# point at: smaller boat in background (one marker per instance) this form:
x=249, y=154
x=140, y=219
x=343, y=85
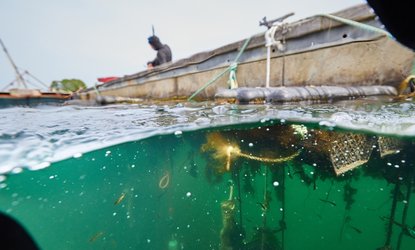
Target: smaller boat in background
x=17, y=92
x=31, y=97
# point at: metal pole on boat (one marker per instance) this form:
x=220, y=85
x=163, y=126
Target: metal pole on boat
x=19, y=77
x=36, y=79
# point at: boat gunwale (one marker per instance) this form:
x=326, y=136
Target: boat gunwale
x=8, y=95
x=126, y=83
x=297, y=29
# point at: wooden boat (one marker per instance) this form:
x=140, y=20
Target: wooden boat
x=24, y=96
x=31, y=97
x=346, y=54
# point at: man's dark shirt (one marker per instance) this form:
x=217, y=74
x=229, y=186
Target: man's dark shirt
x=163, y=53
x=163, y=56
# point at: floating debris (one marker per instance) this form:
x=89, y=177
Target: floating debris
x=263, y=206
x=329, y=202
x=356, y=229
x=96, y=236
x=165, y=180
x=120, y=199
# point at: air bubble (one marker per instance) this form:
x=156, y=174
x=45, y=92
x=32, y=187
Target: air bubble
x=77, y=155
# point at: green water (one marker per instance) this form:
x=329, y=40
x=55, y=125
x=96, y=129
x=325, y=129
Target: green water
x=117, y=198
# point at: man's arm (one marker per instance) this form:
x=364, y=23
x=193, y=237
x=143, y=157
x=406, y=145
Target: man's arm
x=163, y=56
x=155, y=62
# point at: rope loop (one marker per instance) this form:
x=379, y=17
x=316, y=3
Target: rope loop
x=233, y=83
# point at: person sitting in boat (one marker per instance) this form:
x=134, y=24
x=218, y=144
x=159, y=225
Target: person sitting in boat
x=163, y=52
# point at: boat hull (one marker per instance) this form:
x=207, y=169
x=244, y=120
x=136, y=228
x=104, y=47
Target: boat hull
x=318, y=52
x=7, y=99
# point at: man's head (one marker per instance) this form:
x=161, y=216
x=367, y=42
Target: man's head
x=155, y=43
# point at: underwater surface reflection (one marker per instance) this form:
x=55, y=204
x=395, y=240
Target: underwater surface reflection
x=35, y=137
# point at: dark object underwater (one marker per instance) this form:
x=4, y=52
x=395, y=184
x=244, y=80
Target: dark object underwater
x=13, y=236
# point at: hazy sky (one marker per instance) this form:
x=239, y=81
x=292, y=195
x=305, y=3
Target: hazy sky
x=87, y=39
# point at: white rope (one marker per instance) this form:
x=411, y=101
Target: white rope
x=269, y=42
